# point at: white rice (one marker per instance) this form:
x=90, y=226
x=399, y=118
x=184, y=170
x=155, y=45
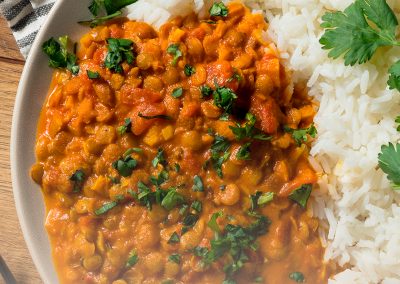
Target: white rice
x=355, y=201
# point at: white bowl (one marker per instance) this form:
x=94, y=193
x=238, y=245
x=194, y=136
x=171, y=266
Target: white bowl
x=32, y=91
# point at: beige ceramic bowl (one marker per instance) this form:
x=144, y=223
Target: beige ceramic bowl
x=32, y=91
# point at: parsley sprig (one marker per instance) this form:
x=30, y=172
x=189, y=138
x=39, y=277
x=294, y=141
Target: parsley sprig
x=58, y=54
x=358, y=31
x=119, y=50
x=389, y=162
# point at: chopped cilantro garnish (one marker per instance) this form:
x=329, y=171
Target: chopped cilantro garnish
x=175, y=258
x=100, y=20
x=248, y=130
x=119, y=50
x=189, y=70
x=159, y=158
x=297, y=277
x=301, y=135
x=259, y=199
x=92, y=75
x=219, y=153
x=174, y=238
x=219, y=9
x=126, y=127
x=224, y=98
x=389, y=162
x=212, y=223
x=160, y=116
x=59, y=57
x=132, y=259
x=301, y=195
x=189, y=221
x=394, y=78
x=174, y=50
x=177, y=93
x=198, y=184
x=244, y=152
x=108, y=206
x=125, y=165
x=197, y=206
x=172, y=199
x=177, y=167
x=206, y=91
x=77, y=178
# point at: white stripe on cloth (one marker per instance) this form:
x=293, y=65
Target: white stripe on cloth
x=25, y=19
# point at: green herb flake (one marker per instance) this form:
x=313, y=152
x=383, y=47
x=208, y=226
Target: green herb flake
x=177, y=93
x=197, y=206
x=59, y=57
x=159, y=159
x=132, y=259
x=108, y=206
x=389, y=162
x=224, y=98
x=248, y=130
x=301, y=135
x=189, y=221
x=77, y=178
x=301, y=195
x=177, y=167
x=119, y=50
x=219, y=10
x=265, y=198
x=394, y=78
x=100, y=20
x=126, y=127
x=175, y=258
x=189, y=70
x=184, y=208
x=297, y=277
x=125, y=165
x=174, y=238
x=244, y=152
x=219, y=153
x=212, y=223
x=172, y=199
x=160, y=116
x=198, y=184
x=174, y=50
x=206, y=91
x=92, y=75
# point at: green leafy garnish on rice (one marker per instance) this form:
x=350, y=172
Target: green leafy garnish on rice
x=358, y=31
x=389, y=162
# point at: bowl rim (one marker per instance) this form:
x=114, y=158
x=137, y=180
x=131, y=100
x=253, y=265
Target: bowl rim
x=16, y=121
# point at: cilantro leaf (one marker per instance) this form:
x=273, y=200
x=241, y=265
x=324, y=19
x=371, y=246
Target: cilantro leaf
x=198, y=184
x=132, y=259
x=189, y=70
x=92, y=75
x=77, y=178
x=174, y=50
x=244, y=152
x=259, y=199
x=110, y=7
x=108, y=206
x=300, y=135
x=59, y=57
x=206, y=91
x=159, y=158
x=175, y=258
x=219, y=153
x=177, y=93
x=113, y=6
x=297, y=277
x=349, y=33
x=197, y=206
x=119, y=50
x=100, y=20
x=172, y=199
x=394, y=78
x=389, y=162
x=219, y=9
x=224, y=98
x=397, y=120
x=248, y=130
x=126, y=127
x=174, y=238
x=213, y=221
x=301, y=195
x=95, y=7
x=125, y=165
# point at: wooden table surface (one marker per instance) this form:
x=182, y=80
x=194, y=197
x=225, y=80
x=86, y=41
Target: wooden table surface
x=12, y=245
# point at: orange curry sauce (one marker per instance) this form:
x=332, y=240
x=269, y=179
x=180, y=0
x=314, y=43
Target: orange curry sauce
x=109, y=224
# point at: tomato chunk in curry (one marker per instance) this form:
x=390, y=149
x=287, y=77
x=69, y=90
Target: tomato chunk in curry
x=179, y=156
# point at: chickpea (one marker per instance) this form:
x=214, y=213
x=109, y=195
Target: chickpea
x=41, y=150
x=231, y=170
x=119, y=281
x=264, y=84
x=153, y=83
x=171, y=269
x=251, y=176
x=171, y=76
x=234, y=38
x=37, y=173
x=148, y=236
x=144, y=60
x=210, y=110
x=92, y=147
x=195, y=47
x=92, y=263
x=153, y=262
x=192, y=139
x=231, y=195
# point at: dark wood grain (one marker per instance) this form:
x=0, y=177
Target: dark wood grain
x=12, y=245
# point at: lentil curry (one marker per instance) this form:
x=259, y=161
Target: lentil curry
x=179, y=156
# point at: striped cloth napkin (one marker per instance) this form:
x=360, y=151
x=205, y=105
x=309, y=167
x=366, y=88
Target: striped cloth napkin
x=25, y=17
